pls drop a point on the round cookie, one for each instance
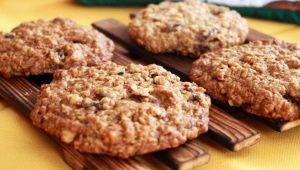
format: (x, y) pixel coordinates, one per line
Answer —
(121, 110)
(188, 28)
(262, 77)
(41, 47)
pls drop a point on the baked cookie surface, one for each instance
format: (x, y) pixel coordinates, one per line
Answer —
(40, 47)
(262, 77)
(121, 110)
(188, 28)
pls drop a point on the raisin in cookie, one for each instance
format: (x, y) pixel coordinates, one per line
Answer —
(121, 110)
(188, 28)
(262, 77)
(40, 47)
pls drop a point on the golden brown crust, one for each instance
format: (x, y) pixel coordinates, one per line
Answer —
(121, 110)
(40, 47)
(261, 77)
(188, 27)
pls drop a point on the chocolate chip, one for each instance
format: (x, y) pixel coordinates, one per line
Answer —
(61, 52)
(173, 28)
(98, 106)
(99, 96)
(165, 29)
(42, 120)
(155, 20)
(132, 15)
(190, 90)
(194, 98)
(203, 48)
(216, 12)
(77, 42)
(153, 75)
(292, 99)
(9, 36)
(121, 73)
(136, 98)
(201, 38)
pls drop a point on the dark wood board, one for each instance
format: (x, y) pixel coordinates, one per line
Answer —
(177, 64)
(21, 94)
(230, 132)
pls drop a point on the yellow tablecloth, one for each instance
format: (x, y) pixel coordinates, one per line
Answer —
(24, 147)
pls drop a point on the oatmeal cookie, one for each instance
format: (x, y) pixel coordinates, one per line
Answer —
(40, 47)
(121, 110)
(262, 77)
(189, 27)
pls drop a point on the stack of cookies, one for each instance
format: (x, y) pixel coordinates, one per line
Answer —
(98, 106)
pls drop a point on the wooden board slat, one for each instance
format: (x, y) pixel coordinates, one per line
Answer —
(279, 126)
(233, 138)
(177, 64)
(188, 156)
(234, 134)
(284, 126)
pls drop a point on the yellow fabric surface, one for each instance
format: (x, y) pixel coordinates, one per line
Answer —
(24, 147)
